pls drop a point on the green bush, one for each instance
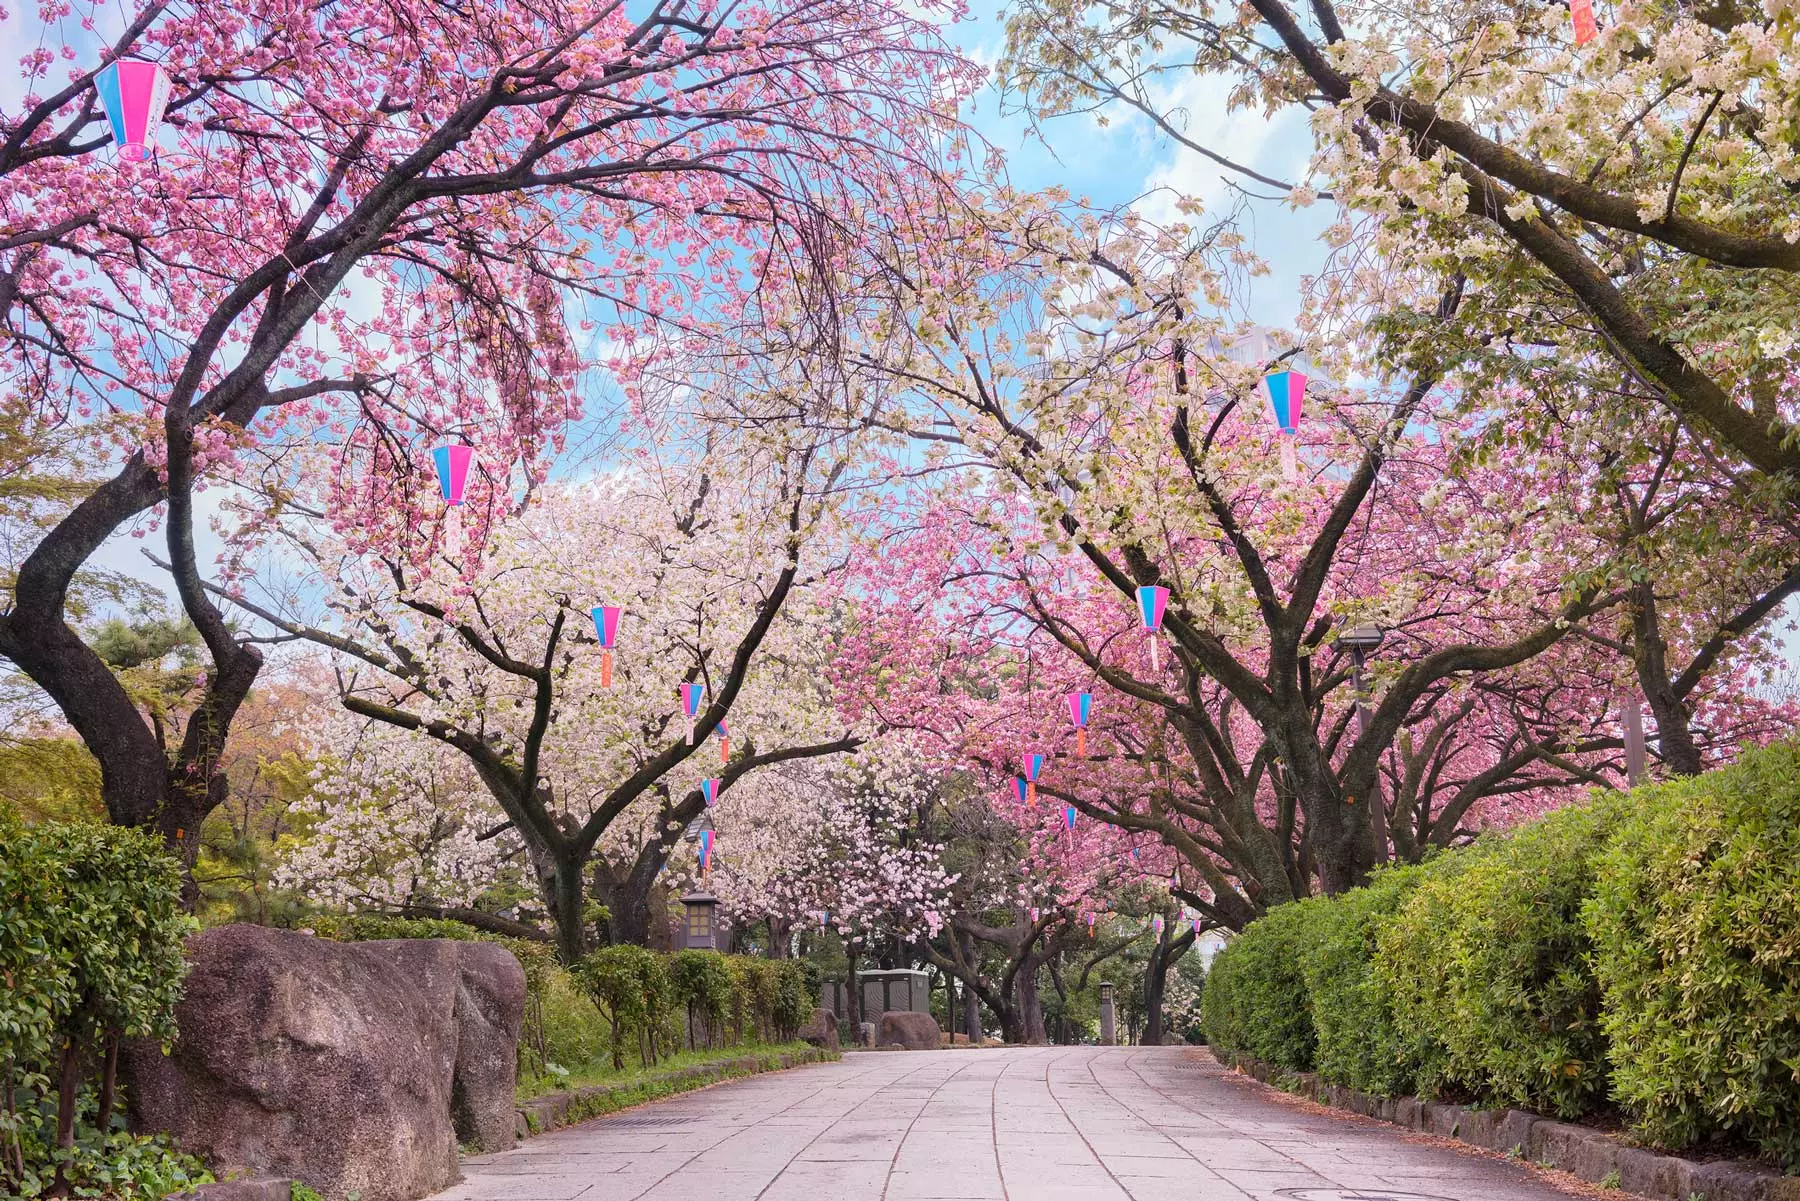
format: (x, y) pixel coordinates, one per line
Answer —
(90, 953)
(1488, 967)
(1255, 1000)
(794, 1003)
(631, 987)
(1696, 929)
(700, 981)
(1357, 1041)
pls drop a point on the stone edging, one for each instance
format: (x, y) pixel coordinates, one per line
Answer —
(1590, 1154)
(555, 1110)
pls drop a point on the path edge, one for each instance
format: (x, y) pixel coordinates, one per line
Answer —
(553, 1111)
(1592, 1155)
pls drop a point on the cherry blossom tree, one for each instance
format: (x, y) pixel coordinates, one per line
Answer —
(376, 228)
(1621, 209)
(1093, 384)
(501, 662)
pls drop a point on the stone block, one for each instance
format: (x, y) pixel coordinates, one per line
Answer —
(356, 1067)
(913, 1031)
(821, 1030)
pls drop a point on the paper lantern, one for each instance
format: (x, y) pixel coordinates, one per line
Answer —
(706, 847)
(1069, 817)
(1090, 922)
(724, 742)
(606, 628)
(1153, 602)
(134, 95)
(1156, 925)
(1079, 705)
(691, 695)
(1196, 927)
(1021, 789)
(709, 788)
(1034, 914)
(1581, 12)
(452, 463)
(1287, 392)
(1034, 766)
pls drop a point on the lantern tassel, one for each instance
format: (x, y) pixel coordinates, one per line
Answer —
(1290, 462)
(606, 669)
(724, 750)
(1031, 792)
(1081, 742)
(1155, 658)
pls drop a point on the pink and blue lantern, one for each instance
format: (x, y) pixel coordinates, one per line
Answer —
(1156, 925)
(706, 848)
(1034, 766)
(1021, 788)
(452, 463)
(1090, 921)
(691, 696)
(606, 628)
(1034, 914)
(1153, 603)
(1080, 704)
(724, 742)
(134, 95)
(709, 788)
(1287, 392)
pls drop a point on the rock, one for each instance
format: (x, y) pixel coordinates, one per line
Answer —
(821, 1030)
(352, 1067)
(914, 1031)
(865, 1034)
(260, 1188)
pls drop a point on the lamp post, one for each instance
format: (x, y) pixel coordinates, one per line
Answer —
(699, 932)
(1363, 639)
(1109, 1022)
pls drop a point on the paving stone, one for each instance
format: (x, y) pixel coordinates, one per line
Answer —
(1055, 1123)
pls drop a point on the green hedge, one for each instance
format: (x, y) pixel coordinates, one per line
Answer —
(91, 929)
(1641, 951)
(1696, 929)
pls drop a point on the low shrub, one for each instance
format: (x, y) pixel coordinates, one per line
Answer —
(1695, 923)
(631, 987)
(700, 982)
(91, 929)
(1358, 1043)
(1255, 1001)
(1488, 967)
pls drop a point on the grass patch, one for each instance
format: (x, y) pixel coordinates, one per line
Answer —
(596, 1090)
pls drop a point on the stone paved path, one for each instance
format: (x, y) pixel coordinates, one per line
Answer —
(1020, 1124)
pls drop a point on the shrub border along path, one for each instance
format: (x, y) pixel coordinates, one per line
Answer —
(1588, 1154)
(553, 1111)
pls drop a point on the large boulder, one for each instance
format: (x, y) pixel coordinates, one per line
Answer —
(914, 1031)
(821, 1030)
(353, 1067)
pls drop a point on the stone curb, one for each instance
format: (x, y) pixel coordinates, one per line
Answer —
(254, 1188)
(1589, 1154)
(556, 1110)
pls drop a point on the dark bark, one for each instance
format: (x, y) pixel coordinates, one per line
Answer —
(1156, 977)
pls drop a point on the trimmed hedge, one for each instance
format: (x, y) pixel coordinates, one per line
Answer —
(1696, 929)
(1639, 951)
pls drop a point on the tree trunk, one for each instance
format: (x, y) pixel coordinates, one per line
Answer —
(560, 883)
(852, 999)
(972, 1016)
(1031, 1008)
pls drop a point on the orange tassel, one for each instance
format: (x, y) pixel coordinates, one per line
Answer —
(606, 669)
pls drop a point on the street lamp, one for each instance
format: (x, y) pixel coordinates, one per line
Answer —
(1361, 639)
(699, 933)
